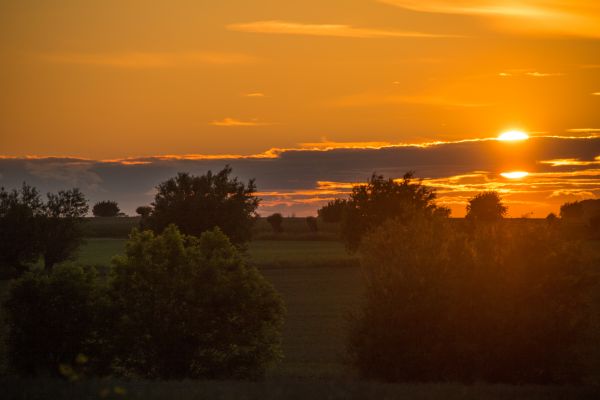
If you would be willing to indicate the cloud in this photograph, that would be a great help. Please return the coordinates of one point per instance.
(596, 94)
(254, 94)
(534, 74)
(232, 122)
(573, 17)
(143, 60)
(301, 180)
(584, 130)
(331, 30)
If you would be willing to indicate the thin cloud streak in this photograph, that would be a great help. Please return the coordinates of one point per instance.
(148, 60)
(232, 122)
(331, 30)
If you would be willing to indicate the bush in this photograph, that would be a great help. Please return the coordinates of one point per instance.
(191, 308)
(507, 304)
(55, 320)
(312, 224)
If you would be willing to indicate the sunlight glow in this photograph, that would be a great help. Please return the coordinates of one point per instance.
(515, 174)
(512, 136)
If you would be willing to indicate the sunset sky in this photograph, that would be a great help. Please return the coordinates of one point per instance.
(308, 96)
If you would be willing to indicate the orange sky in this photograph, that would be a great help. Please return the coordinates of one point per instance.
(105, 79)
(169, 85)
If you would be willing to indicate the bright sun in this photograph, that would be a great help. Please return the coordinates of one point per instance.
(513, 136)
(515, 174)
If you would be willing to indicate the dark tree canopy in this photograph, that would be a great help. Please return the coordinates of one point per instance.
(580, 210)
(276, 222)
(106, 208)
(200, 203)
(333, 211)
(382, 199)
(486, 207)
(32, 228)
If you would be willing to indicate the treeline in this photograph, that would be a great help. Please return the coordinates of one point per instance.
(478, 301)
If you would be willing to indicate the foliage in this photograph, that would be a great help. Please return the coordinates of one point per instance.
(19, 211)
(381, 199)
(106, 208)
(54, 320)
(191, 308)
(200, 203)
(333, 212)
(312, 224)
(32, 228)
(485, 208)
(276, 221)
(143, 211)
(503, 305)
(61, 231)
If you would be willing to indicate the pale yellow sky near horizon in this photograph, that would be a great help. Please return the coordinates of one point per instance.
(108, 79)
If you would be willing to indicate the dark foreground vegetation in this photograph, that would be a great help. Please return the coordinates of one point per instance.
(480, 299)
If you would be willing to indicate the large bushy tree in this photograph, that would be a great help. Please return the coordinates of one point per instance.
(486, 208)
(504, 305)
(200, 203)
(191, 308)
(382, 199)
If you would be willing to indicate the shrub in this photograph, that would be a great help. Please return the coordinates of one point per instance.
(55, 319)
(504, 305)
(486, 208)
(191, 308)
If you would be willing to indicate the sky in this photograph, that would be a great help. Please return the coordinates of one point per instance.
(326, 91)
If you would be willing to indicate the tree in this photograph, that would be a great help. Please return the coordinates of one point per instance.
(312, 224)
(486, 207)
(106, 208)
(276, 221)
(382, 199)
(200, 203)
(61, 233)
(19, 214)
(508, 305)
(143, 211)
(333, 212)
(54, 319)
(32, 228)
(191, 308)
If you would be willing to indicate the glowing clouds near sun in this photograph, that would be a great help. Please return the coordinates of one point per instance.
(513, 136)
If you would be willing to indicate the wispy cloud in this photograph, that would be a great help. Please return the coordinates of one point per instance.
(596, 94)
(141, 60)
(232, 122)
(584, 130)
(575, 17)
(530, 73)
(254, 94)
(332, 30)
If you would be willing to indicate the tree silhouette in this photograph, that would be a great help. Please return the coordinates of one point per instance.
(276, 221)
(333, 212)
(106, 208)
(31, 228)
(486, 207)
(199, 203)
(312, 224)
(382, 199)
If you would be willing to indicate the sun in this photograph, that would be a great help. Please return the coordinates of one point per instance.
(513, 136)
(515, 174)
